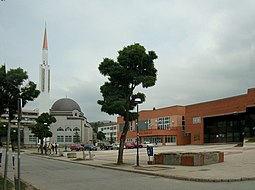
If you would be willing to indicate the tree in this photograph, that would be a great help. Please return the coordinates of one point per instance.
(41, 128)
(95, 125)
(100, 135)
(134, 67)
(76, 137)
(14, 84)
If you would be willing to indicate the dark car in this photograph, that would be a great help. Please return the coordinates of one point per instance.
(106, 146)
(76, 147)
(90, 147)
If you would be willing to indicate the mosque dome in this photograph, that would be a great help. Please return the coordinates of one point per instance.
(65, 104)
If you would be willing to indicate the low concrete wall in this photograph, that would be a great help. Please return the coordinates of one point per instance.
(189, 158)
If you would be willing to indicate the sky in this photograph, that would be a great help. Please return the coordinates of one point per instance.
(206, 49)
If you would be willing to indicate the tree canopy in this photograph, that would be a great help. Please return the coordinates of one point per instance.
(41, 128)
(14, 84)
(100, 135)
(134, 67)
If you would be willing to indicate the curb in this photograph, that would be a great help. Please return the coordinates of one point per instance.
(151, 173)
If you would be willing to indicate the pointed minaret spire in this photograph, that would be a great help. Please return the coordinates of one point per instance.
(44, 80)
(45, 44)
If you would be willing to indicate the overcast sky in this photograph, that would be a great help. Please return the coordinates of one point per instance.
(205, 49)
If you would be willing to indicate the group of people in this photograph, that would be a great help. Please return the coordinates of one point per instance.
(51, 148)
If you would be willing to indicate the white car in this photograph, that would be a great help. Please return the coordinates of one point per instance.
(115, 146)
(147, 143)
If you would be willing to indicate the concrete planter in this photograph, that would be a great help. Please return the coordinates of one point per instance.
(189, 158)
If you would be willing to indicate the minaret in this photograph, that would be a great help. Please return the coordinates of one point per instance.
(44, 80)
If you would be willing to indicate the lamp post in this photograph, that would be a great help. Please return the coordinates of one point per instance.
(19, 120)
(137, 101)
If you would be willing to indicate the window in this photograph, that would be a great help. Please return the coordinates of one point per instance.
(149, 124)
(43, 80)
(68, 129)
(166, 123)
(60, 129)
(170, 139)
(183, 123)
(76, 129)
(163, 123)
(32, 138)
(60, 138)
(68, 138)
(196, 120)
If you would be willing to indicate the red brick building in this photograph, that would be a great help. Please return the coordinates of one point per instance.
(219, 121)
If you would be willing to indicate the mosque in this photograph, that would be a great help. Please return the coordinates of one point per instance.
(71, 121)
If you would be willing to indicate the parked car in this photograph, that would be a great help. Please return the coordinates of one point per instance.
(115, 146)
(76, 147)
(147, 143)
(90, 147)
(106, 146)
(139, 145)
(129, 145)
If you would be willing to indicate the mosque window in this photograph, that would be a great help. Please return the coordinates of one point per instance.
(68, 129)
(43, 80)
(60, 138)
(76, 129)
(60, 129)
(48, 80)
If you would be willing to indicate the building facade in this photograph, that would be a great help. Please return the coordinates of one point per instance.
(165, 126)
(222, 121)
(226, 120)
(71, 123)
(28, 118)
(110, 131)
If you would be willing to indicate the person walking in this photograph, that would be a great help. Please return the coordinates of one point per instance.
(13, 157)
(56, 148)
(1, 153)
(52, 148)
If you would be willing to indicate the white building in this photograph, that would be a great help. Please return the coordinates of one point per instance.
(70, 119)
(110, 131)
(44, 79)
(27, 119)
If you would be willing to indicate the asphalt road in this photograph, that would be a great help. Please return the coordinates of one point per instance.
(55, 175)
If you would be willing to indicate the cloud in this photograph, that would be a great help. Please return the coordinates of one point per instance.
(205, 48)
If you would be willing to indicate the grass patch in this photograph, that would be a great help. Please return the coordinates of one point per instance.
(78, 159)
(10, 185)
(251, 139)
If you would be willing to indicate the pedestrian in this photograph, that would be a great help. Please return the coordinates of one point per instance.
(56, 148)
(13, 157)
(45, 148)
(1, 152)
(52, 148)
(49, 147)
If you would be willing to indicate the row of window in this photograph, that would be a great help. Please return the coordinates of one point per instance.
(67, 138)
(108, 128)
(60, 138)
(68, 129)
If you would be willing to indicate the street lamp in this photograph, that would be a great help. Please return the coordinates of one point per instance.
(137, 101)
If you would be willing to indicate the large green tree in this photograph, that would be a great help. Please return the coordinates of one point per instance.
(14, 84)
(41, 128)
(134, 67)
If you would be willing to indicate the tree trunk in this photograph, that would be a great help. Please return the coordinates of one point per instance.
(122, 142)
